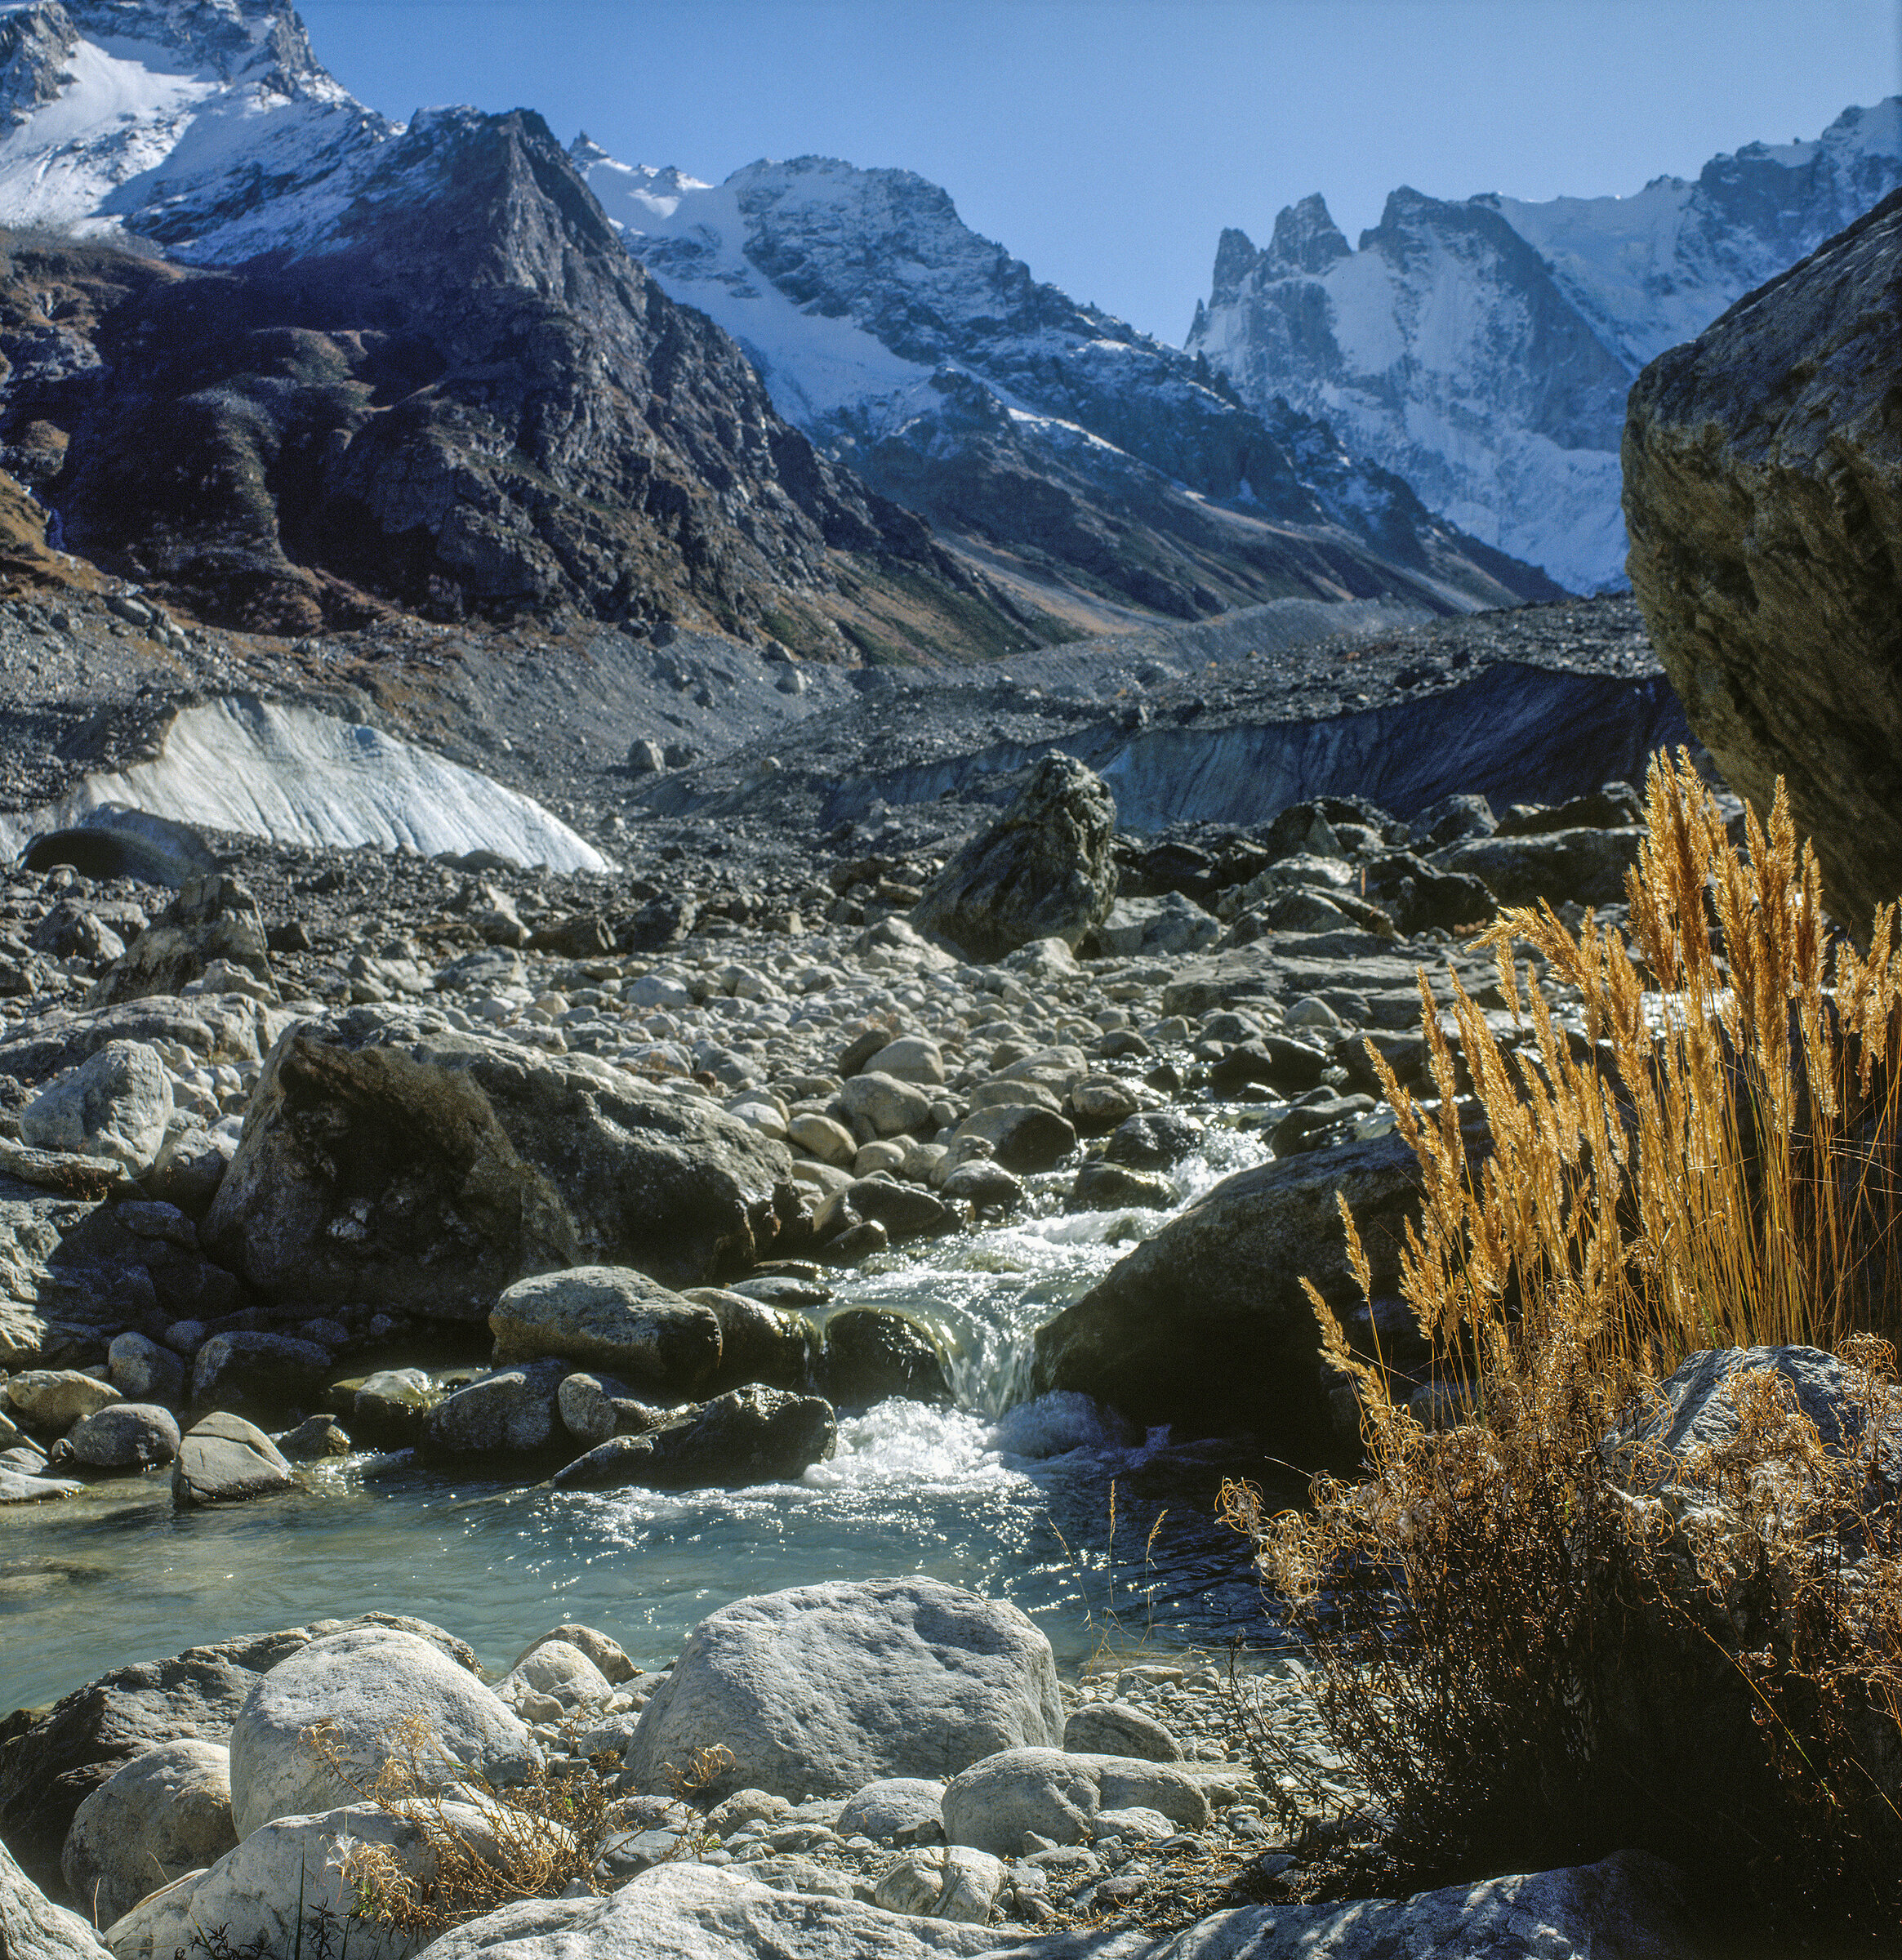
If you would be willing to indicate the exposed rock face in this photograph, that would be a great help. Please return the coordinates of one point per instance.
(448, 386)
(1043, 870)
(1763, 492)
(1206, 1325)
(388, 1158)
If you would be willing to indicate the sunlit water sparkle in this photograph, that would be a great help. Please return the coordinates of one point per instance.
(1008, 1495)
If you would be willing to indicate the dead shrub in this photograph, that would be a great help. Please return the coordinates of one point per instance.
(1535, 1641)
(533, 1840)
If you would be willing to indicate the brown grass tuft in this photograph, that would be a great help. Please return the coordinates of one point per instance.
(534, 1838)
(1532, 1649)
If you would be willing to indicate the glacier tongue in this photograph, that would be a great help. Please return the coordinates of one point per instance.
(272, 769)
(1482, 350)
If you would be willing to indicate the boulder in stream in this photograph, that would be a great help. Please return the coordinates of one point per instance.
(388, 1158)
(610, 1317)
(1205, 1326)
(226, 1460)
(751, 1436)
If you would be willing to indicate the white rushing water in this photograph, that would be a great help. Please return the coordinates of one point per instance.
(1008, 1495)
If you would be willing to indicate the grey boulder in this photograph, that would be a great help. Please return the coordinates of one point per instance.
(32, 1927)
(1628, 1907)
(214, 917)
(256, 1373)
(610, 1317)
(1113, 1728)
(1763, 496)
(128, 1436)
(822, 1689)
(1023, 1136)
(1205, 1326)
(362, 1685)
(226, 1460)
(115, 1106)
(55, 1398)
(167, 1811)
(749, 1437)
(253, 1894)
(1171, 924)
(1056, 1794)
(1588, 865)
(142, 1371)
(895, 1807)
(1044, 869)
(48, 1768)
(511, 1411)
(388, 1158)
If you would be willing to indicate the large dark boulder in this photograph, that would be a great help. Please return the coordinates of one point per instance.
(1205, 1326)
(388, 1158)
(752, 1436)
(1763, 495)
(1043, 870)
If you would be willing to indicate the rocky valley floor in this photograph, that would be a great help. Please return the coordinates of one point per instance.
(787, 1195)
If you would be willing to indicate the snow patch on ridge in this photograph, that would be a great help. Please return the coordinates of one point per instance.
(268, 769)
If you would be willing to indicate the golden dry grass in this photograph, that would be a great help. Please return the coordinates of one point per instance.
(1535, 1644)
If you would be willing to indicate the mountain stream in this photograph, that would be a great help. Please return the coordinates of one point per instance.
(1052, 1502)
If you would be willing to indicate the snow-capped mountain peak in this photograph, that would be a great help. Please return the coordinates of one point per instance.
(1483, 347)
(939, 365)
(208, 127)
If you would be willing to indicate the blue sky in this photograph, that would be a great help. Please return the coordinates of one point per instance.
(1108, 142)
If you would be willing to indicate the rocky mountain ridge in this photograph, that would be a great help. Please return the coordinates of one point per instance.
(387, 365)
(464, 288)
(1054, 440)
(1482, 347)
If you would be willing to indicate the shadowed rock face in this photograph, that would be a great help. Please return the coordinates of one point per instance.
(1763, 494)
(464, 398)
(1042, 871)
